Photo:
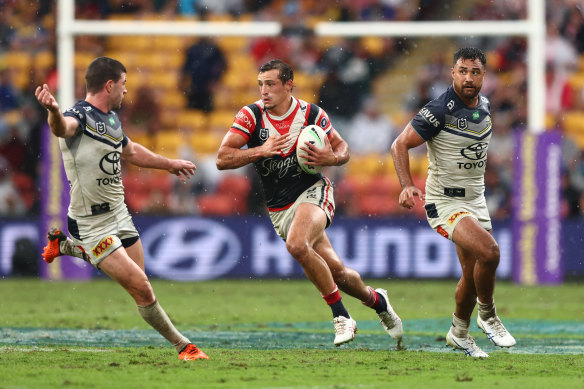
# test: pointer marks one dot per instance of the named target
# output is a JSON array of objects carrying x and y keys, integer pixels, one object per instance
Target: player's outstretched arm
[
  {"x": 139, "y": 155},
  {"x": 231, "y": 156},
  {"x": 407, "y": 140},
  {"x": 61, "y": 126}
]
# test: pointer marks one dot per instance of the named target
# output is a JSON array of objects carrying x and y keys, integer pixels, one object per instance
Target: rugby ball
[{"x": 314, "y": 135}]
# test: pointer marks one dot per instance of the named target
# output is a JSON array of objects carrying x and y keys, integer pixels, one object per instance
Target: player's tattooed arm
[{"x": 407, "y": 140}]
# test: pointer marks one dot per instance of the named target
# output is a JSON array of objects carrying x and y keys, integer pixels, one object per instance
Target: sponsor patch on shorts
[
  {"x": 442, "y": 232},
  {"x": 102, "y": 246},
  {"x": 455, "y": 216}
]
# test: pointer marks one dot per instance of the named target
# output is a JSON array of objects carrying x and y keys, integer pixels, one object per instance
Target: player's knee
[
  {"x": 143, "y": 292},
  {"x": 492, "y": 255},
  {"x": 298, "y": 249}
]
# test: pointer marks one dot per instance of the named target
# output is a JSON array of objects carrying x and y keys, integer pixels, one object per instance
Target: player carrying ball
[{"x": 301, "y": 205}]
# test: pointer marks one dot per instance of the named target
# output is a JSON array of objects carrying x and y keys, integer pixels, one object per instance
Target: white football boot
[
  {"x": 466, "y": 344},
  {"x": 345, "y": 329},
  {"x": 389, "y": 319},
  {"x": 496, "y": 331}
]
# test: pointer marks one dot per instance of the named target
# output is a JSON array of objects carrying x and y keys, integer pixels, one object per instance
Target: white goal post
[{"x": 533, "y": 28}]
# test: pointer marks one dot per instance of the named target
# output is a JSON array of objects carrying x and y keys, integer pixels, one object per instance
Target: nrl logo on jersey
[
  {"x": 100, "y": 128},
  {"x": 264, "y": 133},
  {"x": 462, "y": 124}
]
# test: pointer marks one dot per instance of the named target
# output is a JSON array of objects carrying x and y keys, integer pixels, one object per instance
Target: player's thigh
[
  {"x": 308, "y": 224},
  {"x": 122, "y": 269},
  {"x": 320, "y": 194},
  {"x": 136, "y": 252},
  {"x": 471, "y": 239},
  {"x": 467, "y": 261}
]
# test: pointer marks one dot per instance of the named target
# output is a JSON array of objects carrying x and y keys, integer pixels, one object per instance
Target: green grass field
[{"x": 278, "y": 334}]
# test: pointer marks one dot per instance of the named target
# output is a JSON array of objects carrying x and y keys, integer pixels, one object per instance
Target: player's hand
[
  {"x": 46, "y": 99},
  {"x": 324, "y": 156},
  {"x": 407, "y": 196},
  {"x": 183, "y": 169},
  {"x": 274, "y": 145}
]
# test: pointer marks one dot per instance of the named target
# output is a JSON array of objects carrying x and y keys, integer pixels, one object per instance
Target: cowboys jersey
[
  {"x": 457, "y": 137},
  {"x": 282, "y": 178},
  {"x": 92, "y": 160}
]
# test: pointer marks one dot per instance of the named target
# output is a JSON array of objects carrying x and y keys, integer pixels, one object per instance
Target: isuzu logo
[{"x": 190, "y": 249}]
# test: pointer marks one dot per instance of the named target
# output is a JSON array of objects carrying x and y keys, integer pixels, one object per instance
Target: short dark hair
[
  {"x": 285, "y": 72},
  {"x": 100, "y": 71},
  {"x": 471, "y": 53}
]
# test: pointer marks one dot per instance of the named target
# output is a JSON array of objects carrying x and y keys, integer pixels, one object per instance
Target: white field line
[{"x": 52, "y": 349}]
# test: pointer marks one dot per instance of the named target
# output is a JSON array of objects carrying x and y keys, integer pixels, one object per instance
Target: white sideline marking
[{"x": 51, "y": 349}]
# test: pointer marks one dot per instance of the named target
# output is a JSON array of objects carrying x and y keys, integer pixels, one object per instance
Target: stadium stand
[{"x": 367, "y": 185}]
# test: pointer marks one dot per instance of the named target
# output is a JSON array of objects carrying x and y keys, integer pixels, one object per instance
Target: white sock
[
  {"x": 154, "y": 315},
  {"x": 67, "y": 247},
  {"x": 460, "y": 327},
  {"x": 487, "y": 311}
]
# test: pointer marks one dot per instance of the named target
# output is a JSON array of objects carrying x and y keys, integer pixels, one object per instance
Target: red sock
[
  {"x": 373, "y": 299},
  {"x": 332, "y": 297}
]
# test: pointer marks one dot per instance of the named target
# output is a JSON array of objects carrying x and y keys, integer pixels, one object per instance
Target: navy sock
[
  {"x": 339, "y": 309},
  {"x": 382, "y": 305}
]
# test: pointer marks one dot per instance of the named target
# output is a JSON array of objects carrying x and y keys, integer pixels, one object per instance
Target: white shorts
[
  {"x": 319, "y": 194},
  {"x": 444, "y": 214},
  {"x": 100, "y": 235}
]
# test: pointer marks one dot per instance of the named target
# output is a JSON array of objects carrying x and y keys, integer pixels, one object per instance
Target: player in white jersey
[
  {"x": 92, "y": 143},
  {"x": 457, "y": 128},
  {"x": 301, "y": 205}
]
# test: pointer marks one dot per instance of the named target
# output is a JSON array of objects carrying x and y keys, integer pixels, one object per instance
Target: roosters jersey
[
  {"x": 457, "y": 137},
  {"x": 92, "y": 160},
  {"x": 282, "y": 178}
]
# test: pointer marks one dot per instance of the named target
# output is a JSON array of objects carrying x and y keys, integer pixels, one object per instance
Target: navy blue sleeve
[
  {"x": 430, "y": 120},
  {"x": 78, "y": 113}
]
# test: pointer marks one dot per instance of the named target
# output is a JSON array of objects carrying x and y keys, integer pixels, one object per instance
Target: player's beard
[{"x": 470, "y": 94}]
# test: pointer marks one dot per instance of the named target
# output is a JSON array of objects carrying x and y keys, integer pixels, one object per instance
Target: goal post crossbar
[{"x": 533, "y": 28}]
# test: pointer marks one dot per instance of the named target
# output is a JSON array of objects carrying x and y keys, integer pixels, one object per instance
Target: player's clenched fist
[{"x": 407, "y": 196}]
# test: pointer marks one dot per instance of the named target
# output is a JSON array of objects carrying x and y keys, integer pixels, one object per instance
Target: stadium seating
[
  {"x": 573, "y": 123},
  {"x": 25, "y": 187},
  {"x": 365, "y": 176},
  {"x": 230, "y": 197}
]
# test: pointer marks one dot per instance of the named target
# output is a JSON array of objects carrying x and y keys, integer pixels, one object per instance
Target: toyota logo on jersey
[
  {"x": 476, "y": 151},
  {"x": 110, "y": 163}
]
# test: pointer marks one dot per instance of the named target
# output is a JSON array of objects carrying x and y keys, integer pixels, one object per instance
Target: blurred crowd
[{"x": 182, "y": 99}]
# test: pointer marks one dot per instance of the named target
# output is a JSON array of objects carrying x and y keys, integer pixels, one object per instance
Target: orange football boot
[
  {"x": 192, "y": 352},
  {"x": 52, "y": 250}
]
